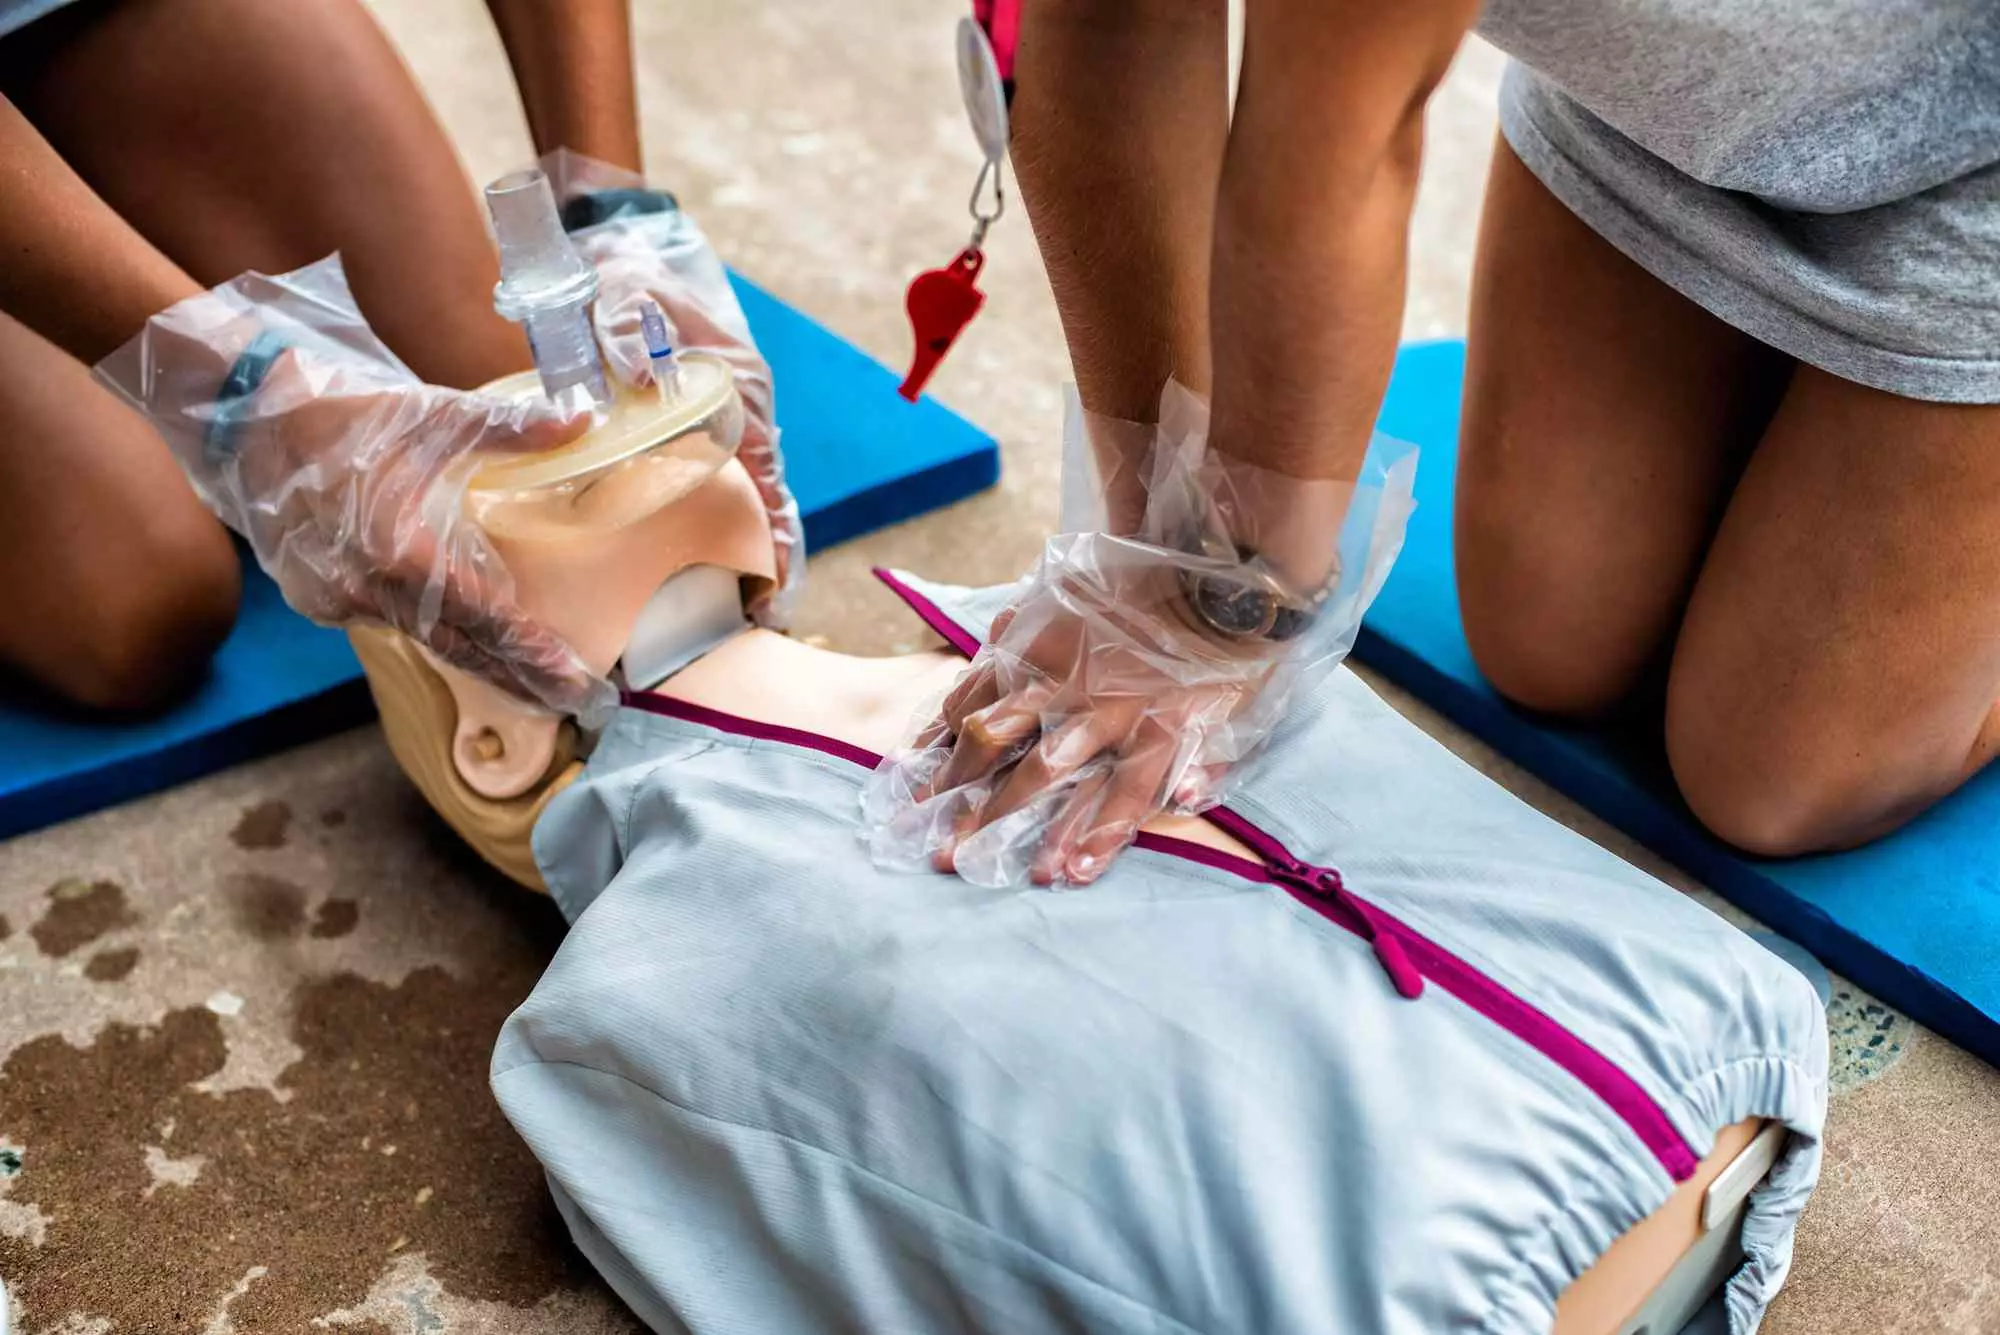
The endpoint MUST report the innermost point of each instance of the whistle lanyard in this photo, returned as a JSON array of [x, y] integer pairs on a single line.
[[1000, 20], [941, 302]]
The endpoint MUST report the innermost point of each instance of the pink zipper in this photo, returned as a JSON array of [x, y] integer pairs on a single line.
[[1406, 955]]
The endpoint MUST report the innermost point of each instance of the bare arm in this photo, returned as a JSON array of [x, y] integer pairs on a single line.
[[1312, 223], [572, 60], [1265, 258], [1103, 702], [71, 269], [1120, 116]]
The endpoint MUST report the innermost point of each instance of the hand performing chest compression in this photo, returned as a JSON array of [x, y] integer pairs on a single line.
[[1138, 670]]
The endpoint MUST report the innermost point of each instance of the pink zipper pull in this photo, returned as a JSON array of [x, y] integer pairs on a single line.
[[1395, 960], [1388, 947]]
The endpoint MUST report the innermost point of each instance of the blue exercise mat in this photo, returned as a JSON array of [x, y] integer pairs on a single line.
[[1914, 918], [858, 456]]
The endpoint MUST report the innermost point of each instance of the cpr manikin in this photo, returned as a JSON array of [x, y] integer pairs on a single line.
[[873, 1129], [782, 688]]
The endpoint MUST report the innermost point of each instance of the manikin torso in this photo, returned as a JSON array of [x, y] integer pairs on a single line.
[[587, 578]]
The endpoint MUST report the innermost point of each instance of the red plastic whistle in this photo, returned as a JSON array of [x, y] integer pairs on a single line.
[[941, 302]]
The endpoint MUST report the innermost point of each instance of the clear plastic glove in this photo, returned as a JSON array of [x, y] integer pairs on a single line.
[[1102, 698], [646, 249], [344, 472]]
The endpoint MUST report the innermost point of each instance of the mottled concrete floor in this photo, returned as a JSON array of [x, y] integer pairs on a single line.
[[244, 1026]]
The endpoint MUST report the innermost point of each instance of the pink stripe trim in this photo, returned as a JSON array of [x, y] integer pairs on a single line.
[[1243, 830], [669, 707], [736, 725], [1591, 1068], [931, 614], [1595, 1071], [1189, 851]]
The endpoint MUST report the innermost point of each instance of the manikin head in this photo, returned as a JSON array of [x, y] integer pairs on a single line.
[[643, 527], [591, 570], [667, 545]]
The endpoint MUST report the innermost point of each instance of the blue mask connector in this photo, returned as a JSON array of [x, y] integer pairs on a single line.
[[659, 349]]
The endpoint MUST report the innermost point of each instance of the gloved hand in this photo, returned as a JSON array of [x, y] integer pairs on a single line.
[[344, 472], [1106, 693], [646, 249]]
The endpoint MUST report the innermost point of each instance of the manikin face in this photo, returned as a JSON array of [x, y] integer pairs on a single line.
[[585, 566]]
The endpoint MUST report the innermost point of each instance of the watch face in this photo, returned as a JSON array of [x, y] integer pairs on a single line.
[[1231, 607]]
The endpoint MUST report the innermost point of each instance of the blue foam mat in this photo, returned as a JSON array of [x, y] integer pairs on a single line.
[[859, 457], [1914, 918]]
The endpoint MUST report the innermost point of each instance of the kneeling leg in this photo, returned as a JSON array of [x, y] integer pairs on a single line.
[[1839, 665]]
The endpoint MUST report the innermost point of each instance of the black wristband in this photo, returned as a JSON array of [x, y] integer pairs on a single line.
[[252, 365], [601, 206]]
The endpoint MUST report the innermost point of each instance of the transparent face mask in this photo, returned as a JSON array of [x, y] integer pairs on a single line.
[[651, 447]]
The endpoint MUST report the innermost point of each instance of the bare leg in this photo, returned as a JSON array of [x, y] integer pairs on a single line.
[[1840, 662], [238, 134], [119, 584], [1605, 419]]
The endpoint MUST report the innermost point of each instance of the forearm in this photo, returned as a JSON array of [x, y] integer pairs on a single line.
[[572, 61], [1306, 315], [1312, 223], [1120, 117], [70, 268], [1311, 239]]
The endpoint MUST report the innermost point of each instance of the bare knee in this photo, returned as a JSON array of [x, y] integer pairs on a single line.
[[1778, 785], [148, 636], [1539, 672], [1539, 626], [1759, 807]]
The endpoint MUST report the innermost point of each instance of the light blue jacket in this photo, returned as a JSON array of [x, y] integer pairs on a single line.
[[779, 1091]]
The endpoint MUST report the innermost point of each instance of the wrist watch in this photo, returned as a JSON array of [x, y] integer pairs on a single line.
[[1246, 601]]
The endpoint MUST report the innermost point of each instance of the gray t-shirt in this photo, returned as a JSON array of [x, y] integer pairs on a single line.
[[1822, 174]]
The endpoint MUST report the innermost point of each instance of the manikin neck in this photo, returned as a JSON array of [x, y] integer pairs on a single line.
[[687, 616]]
